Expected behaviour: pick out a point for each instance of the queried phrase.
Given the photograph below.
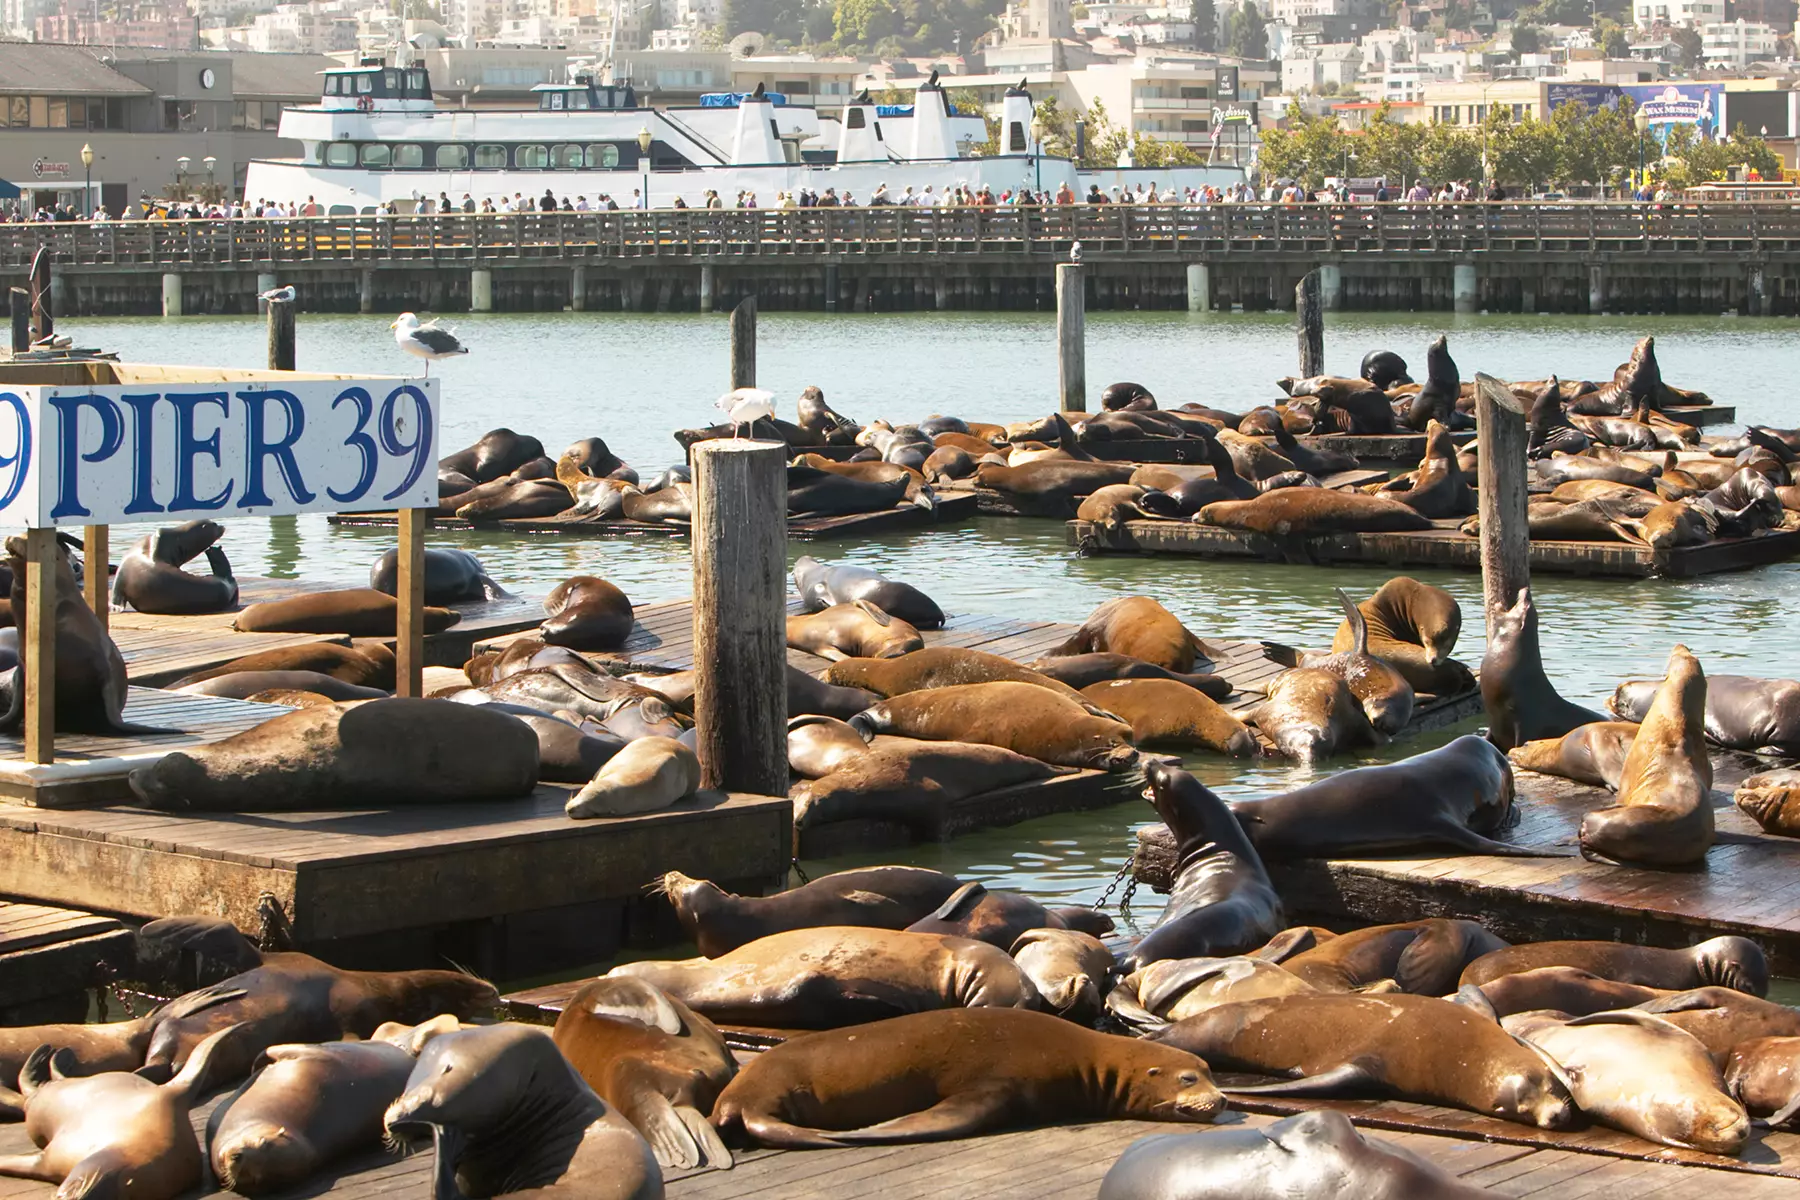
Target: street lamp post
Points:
(1641, 119)
(643, 141)
(87, 181)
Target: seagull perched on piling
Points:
(426, 341)
(746, 406)
(1075, 252)
(280, 293)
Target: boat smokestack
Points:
(861, 139)
(1016, 112)
(758, 142)
(931, 122)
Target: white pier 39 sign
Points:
(176, 451)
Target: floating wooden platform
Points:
(508, 887)
(1443, 546)
(950, 508)
(994, 504)
(158, 656)
(50, 956)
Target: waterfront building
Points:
(1650, 13)
(1734, 45)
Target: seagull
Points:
(280, 293)
(54, 341)
(1075, 252)
(746, 406)
(426, 341)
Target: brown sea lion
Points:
(1422, 958)
(1173, 989)
(1522, 704)
(1723, 1018)
(1085, 670)
(1731, 962)
(1136, 626)
(519, 498)
(241, 685)
(1382, 690)
(1391, 1045)
(1439, 489)
(289, 698)
(90, 678)
(1254, 459)
(1562, 989)
(89, 1050)
(370, 665)
(509, 1115)
(150, 578)
(1772, 800)
(1764, 1075)
(855, 630)
(833, 975)
(940, 1075)
(1164, 713)
(1592, 754)
(359, 612)
(719, 922)
(933, 667)
(655, 1060)
(1302, 512)
(1311, 713)
(1000, 918)
(670, 505)
(1664, 814)
(648, 775)
(586, 613)
(1069, 968)
(1414, 627)
(1020, 717)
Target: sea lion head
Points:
(1734, 962)
(192, 952)
(1171, 1085)
(259, 1157)
(421, 995)
(166, 783)
(177, 544)
(693, 899)
(1109, 749)
(1539, 1098)
(474, 1079)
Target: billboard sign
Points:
(1695, 104)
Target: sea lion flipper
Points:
(625, 998)
(965, 1114)
(200, 1001)
(1286, 944)
(1350, 1078)
(1125, 1008)
(35, 1072)
(962, 899)
(29, 1166)
(1783, 1115)
(1476, 1000)
(1464, 838)
(670, 1138)
(491, 590)
(219, 1058)
(1359, 628)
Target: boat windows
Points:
(854, 119)
(392, 79)
(409, 154)
(578, 100)
(376, 154)
(340, 154)
(566, 157)
(365, 85)
(452, 158)
(531, 158)
(490, 158)
(416, 85)
(331, 85)
(605, 156)
(341, 210)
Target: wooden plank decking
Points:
(159, 655)
(48, 956)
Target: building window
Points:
(40, 112)
(340, 154)
(77, 114)
(376, 154)
(490, 158)
(605, 156)
(452, 157)
(566, 157)
(19, 108)
(531, 158)
(409, 154)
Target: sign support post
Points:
(409, 598)
(39, 645)
(96, 561)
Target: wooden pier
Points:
(50, 957)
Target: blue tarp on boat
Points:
(733, 99)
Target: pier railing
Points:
(1124, 231)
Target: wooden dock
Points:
(49, 957)
(1443, 546)
(159, 655)
(994, 504)
(951, 508)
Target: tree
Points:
(1390, 148)
(1596, 146)
(1688, 46)
(1308, 149)
(1612, 39)
(1246, 34)
(1524, 153)
(1527, 39)
(1205, 15)
(1449, 152)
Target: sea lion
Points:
(1382, 690)
(1413, 626)
(1221, 901)
(1635, 387)
(565, 687)
(1731, 962)
(306, 1108)
(1455, 795)
(1561, 989)
(1303, 512)
(90, 672)
(509, 1115)
(1592, 754)
(814, 492)
(586, 613)
(450, 576)
(672, 504)
(1050, 487)
(1763, 1074)
(1663, 815)
(1164, 713)
(182, 954)
(822, 585)
(1122, 397)
(1136, 626)
(1522, 704)
(1561, 468)
(1001, 918)
(1020, 717)
(289, 698)
(1311, 713)
(568, 752)
(832, 975)
(518, 499)
(241, 685)
(86, 1050)
(1772, 800)
(1317, 1155)
(150, 578)
(1637, 1072)
(118, 1134)
(855, 630)
(592, 458)
(1173, 989)
(1069, 968)
(806, 695)
(1439, 489)
(1421, 958)
(1761, 716)
(1085, 670)
(1113, 505)
(1436, 399)
(1724, 1018)
(649, 774)
(934, 667)
(370, 665)
(356, 754)
(814, 414)
(948, 463)
(1350, 1045)
(934, 1076)
(659, 1063)
(1549, 430)
(1319, 463)
(498, 452)
(359, 612)
(719, 922)
(1384, 369)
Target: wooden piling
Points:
(96, 559)
(409, 598)
(281, 335)
(740, 623)
(1501, 475)
(743, 344)
(1071, 337)
(20, 300)
(43, 318)
(39, 645)
(1309, 307)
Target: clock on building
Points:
(207, 77)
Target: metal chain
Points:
(1130, 890)
(799, 870)
(273, 933)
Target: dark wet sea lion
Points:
(374, 752)
(1455, 795)
(509, 1115)
(1522, 704)
(812, 492)
(586, 613)
(1300, 512)
(307, 1108)
(1172, 715)
(1020, 717)
(806, 695)
(1311, 713)
(370, 665)
(1310, 460)
(593, 458)
(150, 578)
(499, 452)
(1742, 711)
(88, 1050)
(935, 666)
(1422, 958)
(241, 685)
(1317, 1155)
(1392, 1045)
(655, 1060)
(1384, 693)
(1000, 918)
(821, 585)
(450, 575)
(1663, 815)
(90, 672)
(1069, 968)
(824, 977)
(181, 954)
(941, 1075)
(567, 752)
(1592, 754)
(879, 897)
(1562, 989)
(1731, 962)
(1384, 369)
(1085, 670)
(1436, 400)
(1139, 627)
(359, 612)
(855, 630)
(1221, 901)
(516, 500)
(1636, 386)
(1121, 397)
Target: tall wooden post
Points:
(1071, 338)
(43, 319)
(281, 335)
(743, 345)
(1309, 307)
(20, 300)
(39, 645)
(740, 614)
(96, 559)
(409, 602)
(1501, 485)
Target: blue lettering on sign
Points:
(68, 409)
(365, 408)
(419, 447)
(259, 447)
(188, 447)
(20, 461)
(143, 432)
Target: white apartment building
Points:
(1037, 20)
(1401, 83)
(1734, 45)
(1650, 13)
(301, 29)
(1312, 68)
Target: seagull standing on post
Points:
(426, 341)
(746, 406)
(280, 293)
(1075, 253)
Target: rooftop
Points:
(61, 70)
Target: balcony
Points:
(1171, 104)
